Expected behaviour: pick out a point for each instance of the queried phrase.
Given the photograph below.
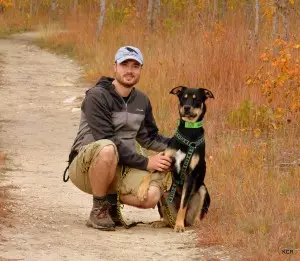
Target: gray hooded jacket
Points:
(105, 115)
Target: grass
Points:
(255, 204)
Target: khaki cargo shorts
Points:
(127, 180)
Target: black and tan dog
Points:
(187, 149)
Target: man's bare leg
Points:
(101, 175)
(154, 194)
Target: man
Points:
(114, 116)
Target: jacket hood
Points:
(105, 82)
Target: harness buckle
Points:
(193, 145)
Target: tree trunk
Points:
(52, 9)
(256, 28)
(224, 7)
(101, 18)
(75, 7)
(286, 12)
(248, 11)
(156, 10)
(31, 8)
(150, 16)
(140, 5)
(215, 12)
(275, 20)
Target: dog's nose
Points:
(186, 108)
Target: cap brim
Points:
(129, 58)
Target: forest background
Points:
(246, 52)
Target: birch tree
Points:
(256, 27)
(75, 6)
(156, 10)
(215, 11)
(152, 13)
(285, 12)
(248, 11)
(52, 8)
(140, 4)
(31, 7)
(275, 19)
(149, 15)
(101, 17)
(224, 7)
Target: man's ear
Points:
(208, 93)
(178, 90)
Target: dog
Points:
(187, 150)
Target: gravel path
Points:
(37, 128)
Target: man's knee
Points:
(154, 195)
(108, 155)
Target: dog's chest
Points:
(179, 157)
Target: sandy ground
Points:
(37, 128)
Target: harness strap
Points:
(191, 149)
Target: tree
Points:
(75, 6)
(286, 12)
(101, 17)
(224, 7)
(153, 11)
(256, 28)
(275, 19)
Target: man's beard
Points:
(126, 85)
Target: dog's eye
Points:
(194, 96)
(185, 96)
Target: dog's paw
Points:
(142, 193)
(159, 224)
(197, 222)
(179, 228)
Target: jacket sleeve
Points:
(148, 135)
(99, 118)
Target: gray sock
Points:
(98, 201)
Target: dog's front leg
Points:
(186, 192)
(142, 192)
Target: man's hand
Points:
(159, 162)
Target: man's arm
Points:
(99, 118)
(148, 135)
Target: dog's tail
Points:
(205, 201)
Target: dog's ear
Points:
(178, 90)
(208, 93)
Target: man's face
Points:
(128, 72)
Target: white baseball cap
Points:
(129, 53)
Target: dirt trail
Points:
(37, 128)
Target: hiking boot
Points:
(113, 212)
(100, 218)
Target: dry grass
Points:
(255, 204)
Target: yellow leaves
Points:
(297, 46)
(264, 57)
(249, 81)
(283, 60)
(292, 2)
(274, 125)
(279, 113)
(7, 3)
(257, 133)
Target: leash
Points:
(124, 172)
(191, 149)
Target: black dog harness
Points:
(191, 149)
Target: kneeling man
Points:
(114, 115)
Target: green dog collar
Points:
(192, 125)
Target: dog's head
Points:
(192, 106)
